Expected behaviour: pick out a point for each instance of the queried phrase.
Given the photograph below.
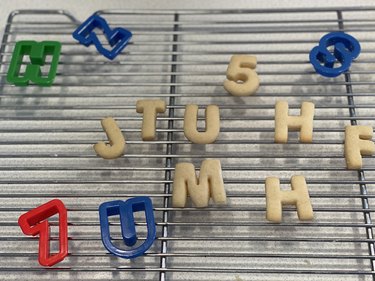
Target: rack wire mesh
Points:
(181, 57)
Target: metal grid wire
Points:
(181, 57)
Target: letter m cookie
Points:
(37, 51)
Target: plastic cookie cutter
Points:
(346, 49)
(37, 51)
(35, 222)
(117, 38)
(126, 211)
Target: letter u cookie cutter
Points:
(35, 222)
(117, 38)
(126, 211)
(347, 48)
(37, 51)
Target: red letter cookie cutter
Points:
(35, 222)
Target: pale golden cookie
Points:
(212, 130)
(357, 143)
(209, 184)
(241, 68)
(302, 123)
(116, 146)
(299, 196)
(150, 108)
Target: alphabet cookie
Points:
(302, 123)
(212, 124)
(241, 68)
(150, 108)
(209, 184)
(357, 143)
(116, 146)
(299, 196)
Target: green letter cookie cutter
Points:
(37, 51)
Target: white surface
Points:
(71, 136)
(82, 11)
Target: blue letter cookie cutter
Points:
(117, 38)
(346, 48)
(126, 211)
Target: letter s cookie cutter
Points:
(346, 49)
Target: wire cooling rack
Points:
(181, 57)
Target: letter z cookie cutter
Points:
(118, 37)
(37, 52)
(126, 211)
(346, 49)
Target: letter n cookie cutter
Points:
(126, 211)
(37, 51)
(35, 222)
(346, 49)
(117, 38)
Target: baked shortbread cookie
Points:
(116, 146)
(209, 184)
(241, 68)
(357, 143)
(303, 123)
(150, 108)
(212, 129)
(298, 196)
